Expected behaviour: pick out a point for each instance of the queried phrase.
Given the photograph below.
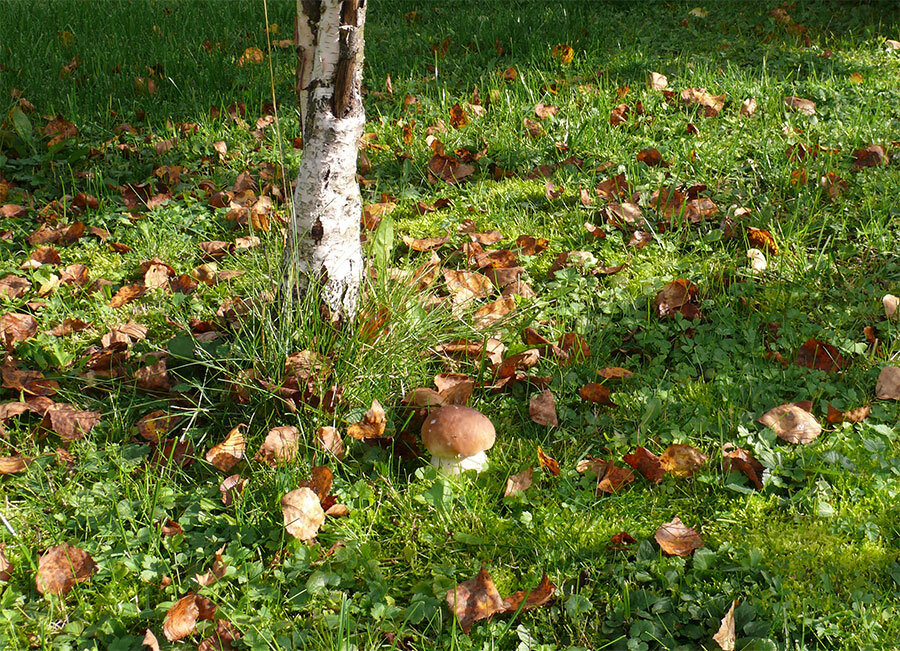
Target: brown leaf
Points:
(595, 465)
(124, 335)
(150, 641)
(30, 382)
(518, 483)
(532, 128)
(303, 513)
(675, 297)
(178, 452)
(69, 423)
(223, 636)
(544, 111)
(183, 615)
(857, 415)
(230, 487)
(372, 425)
(888, 385)
(458, 116)
(307, 365)
(682, 460)
(800, 105)
(594, 392)
(820, 355)
(529, 245)
(474, 600)
(614, 187)
(871, 156)
(652, 158)
(466, 285)
(127, 294)
(424, 244)
(13, 287)
(675, 539)
(792, 424)
(646, 463)
(153, 378)
(155, 425)
(491, 349)
(667, 201)
(713, 103)
(74, 274)
(538, 597)
(761, 239)
(542, 409)
(329, 439)
(281, 445)
(615, 373)
(227, 454)
(12, 211)
(61, 567)
(725, 636)
(548, 463)
(373, 212)
(490, 313)
(614, 479)
(622, 541)
(12, 465)
(16, 327)
(741, 460)
(658, 81)
(215, 573)
(574, 346)
(171, 528)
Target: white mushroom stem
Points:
(458, 465)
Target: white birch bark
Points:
(323, 252)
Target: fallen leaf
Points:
(16, 327)
(303, 513)
(820, 355)
(532, 128)
(762, 240)
(127, 294)
(467, 285)
(183, 615)
(614, 479)
(227, 454)
(658, 81)
(888, 385)
(548, 463)
(542, 409)
(178, 452)
(594, 392)
(492, 312)
(307, 365)
(614, 187)
(652, 158)
(529, 245)
(793, 424)
(61, 567)
(474, 600)
(217, 571)
(748, 107)
(725, 636)
(171, 528)
(544, 111)
(836, 416)
(615, 373)
(251, 55)
(320, 482)
(536, 598)
(800, 105)
(424, 244)
(622, 541)
(329, 439)
(740, 460)
(595, 465)
(281, 445)
(711, 103)
(12, 211)
(518, 483)
(371, 426)
(458, 116)
(69, 423)
(574, 346)
(682, 460)
(646, 463)
(13, 287)
(674, 297)
(675, 539)
(230, 487)
(563, 53)
(222, 638)
(150, 641)
(154, 378)
(871, 156)
(12, 465)
(124, 335)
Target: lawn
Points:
(146, 154)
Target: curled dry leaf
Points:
(127, 294)
(518, 483)
(227, 454)
(740, 460)
(492, 350)
(675, 539)
(857, 415)
(223, 636)
(320, 482)
(454, 388)
(548, 463)
(871, 156)
(622, 541)
(183, 615)
(154, 378)
(595, 465)
(458, 116)
(792, 423)
(156, 424)
(171, 528)
(614, 479)
(748, 107)
(303, 513)
(150, 641)
(474, 600)
(372, 425)
(534, 129)
(820, 355)
(712, 104)
(329, 439)
(281, 445)
(215, 573)
(68, 422)
(682, 460)
(891, 303)
(800, 105)
(888, 385)
(615, 373)
(16, 327)
(542, 409)
(536, 598)
(12, 465)
(61, 567)
(230, 487)
(652, 158)
(758, 262)
(725, 636)
(307, 365)
(658, 81)
(595, 392)
(489, 314)
(646, 463)
(544, 111)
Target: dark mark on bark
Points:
(317, 232)
(343, 79)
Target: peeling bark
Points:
(323, 253)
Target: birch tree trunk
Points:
(323, 253)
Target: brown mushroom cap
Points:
(457, 431)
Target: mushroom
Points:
(457, 437)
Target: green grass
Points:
(813, 558)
